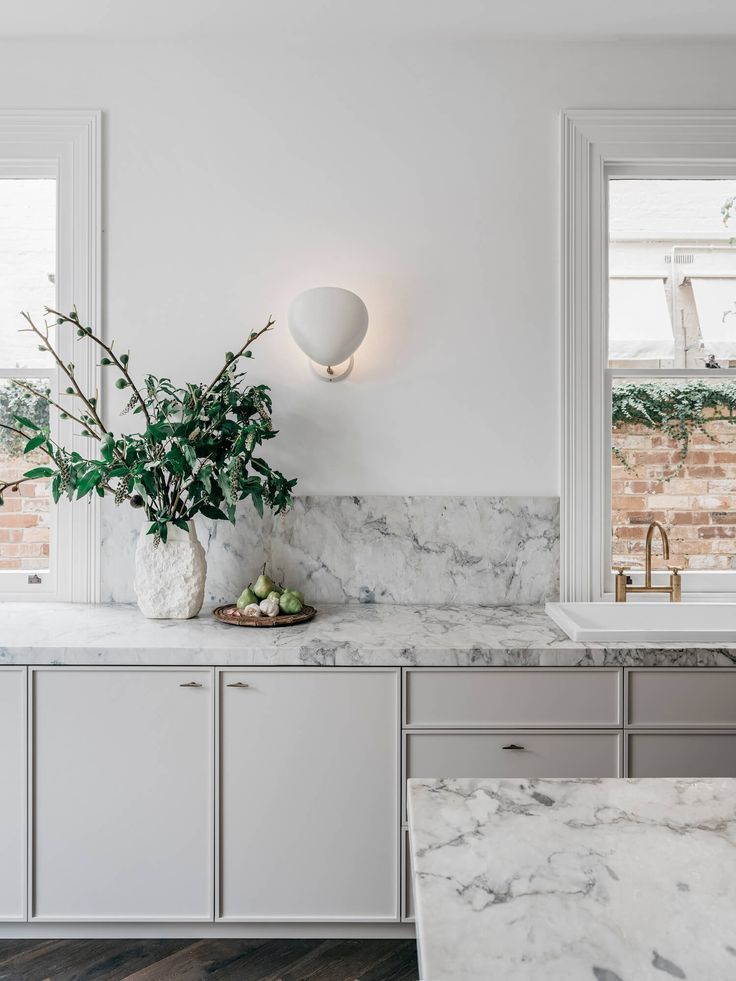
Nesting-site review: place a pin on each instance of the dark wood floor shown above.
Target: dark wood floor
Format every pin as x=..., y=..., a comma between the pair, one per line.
x=214, y=960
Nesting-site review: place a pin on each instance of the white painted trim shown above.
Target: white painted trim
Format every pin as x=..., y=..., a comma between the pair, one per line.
x=69, y=142
x=594, y=143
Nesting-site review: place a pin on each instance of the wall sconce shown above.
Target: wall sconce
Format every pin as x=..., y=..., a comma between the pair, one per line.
x=329, y=324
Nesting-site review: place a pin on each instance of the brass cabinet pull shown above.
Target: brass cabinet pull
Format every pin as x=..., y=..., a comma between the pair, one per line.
x=237, y=684
x=190, y=684
x=512, y=746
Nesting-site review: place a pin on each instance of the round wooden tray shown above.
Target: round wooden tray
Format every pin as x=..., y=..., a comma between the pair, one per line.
x=226, y=614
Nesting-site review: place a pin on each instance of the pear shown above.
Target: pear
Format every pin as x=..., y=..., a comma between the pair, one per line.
x=246, y=598
x=264, y=584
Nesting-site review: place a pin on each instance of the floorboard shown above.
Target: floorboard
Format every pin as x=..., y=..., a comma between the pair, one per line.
x=208, y=960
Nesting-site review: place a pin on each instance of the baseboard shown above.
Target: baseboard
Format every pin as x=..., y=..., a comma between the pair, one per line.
x=204, y=931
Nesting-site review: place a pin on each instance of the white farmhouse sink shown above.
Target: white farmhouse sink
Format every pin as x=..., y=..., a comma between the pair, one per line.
x=647, y=623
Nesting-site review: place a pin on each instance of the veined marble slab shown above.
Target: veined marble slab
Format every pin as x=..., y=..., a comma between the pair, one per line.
x=575, y=880
x=341, y=634
x=374, y=549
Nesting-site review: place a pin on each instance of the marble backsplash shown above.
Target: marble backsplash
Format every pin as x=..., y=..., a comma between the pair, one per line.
x=424, y=550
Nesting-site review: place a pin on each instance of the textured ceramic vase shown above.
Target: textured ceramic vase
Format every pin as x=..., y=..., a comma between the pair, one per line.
x=169, y=579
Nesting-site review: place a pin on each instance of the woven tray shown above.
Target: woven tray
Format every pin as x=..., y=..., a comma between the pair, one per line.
x=226, y=614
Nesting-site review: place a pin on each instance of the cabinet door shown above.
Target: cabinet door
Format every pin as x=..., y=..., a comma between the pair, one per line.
x=308, y=792
x=682, y=754
x=122, y=784
x=12, y=793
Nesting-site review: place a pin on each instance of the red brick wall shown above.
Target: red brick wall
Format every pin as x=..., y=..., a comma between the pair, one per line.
x=24, y=527
x=697, y=506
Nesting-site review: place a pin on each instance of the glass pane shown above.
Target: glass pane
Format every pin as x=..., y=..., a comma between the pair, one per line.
x=24, y=518
x=672, y=274
x=674, y=461
x=27, y=265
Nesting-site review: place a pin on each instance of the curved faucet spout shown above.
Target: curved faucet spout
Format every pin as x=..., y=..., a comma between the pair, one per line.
x=654, y=526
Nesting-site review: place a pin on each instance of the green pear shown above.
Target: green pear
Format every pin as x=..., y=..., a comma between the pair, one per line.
x=264, y=584
x=290, y=602
x=246, y=598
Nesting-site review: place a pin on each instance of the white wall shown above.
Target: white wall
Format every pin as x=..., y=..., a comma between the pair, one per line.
x=424, y=178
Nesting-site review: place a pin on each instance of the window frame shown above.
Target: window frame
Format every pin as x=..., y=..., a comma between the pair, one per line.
x=597, y=145
x=65, y=144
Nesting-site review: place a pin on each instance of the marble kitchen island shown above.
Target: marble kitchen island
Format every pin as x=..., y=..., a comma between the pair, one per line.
x=574, y=880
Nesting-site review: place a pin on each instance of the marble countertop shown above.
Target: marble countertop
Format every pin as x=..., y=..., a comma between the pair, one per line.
x=345, y=634
x=575, y=880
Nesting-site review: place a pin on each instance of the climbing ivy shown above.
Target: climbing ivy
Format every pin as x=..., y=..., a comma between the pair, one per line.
x=678, y=410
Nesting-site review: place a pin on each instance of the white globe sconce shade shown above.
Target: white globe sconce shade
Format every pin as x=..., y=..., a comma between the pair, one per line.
x=329, y=324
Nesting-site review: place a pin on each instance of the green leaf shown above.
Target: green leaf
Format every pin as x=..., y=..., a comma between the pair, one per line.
x=39, y=472
x=190, y=454
x=90, y=480
x=56, y=488
x=209, y=511
x=26, y=423
x=181, y=523
x=34, y=443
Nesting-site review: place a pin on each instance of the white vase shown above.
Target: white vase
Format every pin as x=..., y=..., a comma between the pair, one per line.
x=169, y=579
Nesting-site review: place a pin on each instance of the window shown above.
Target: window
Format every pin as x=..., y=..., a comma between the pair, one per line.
x=27, y=281
x=49, y=256
x=672, y=372
x=648, y=310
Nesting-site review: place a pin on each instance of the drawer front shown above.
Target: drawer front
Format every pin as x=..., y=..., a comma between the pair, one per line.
x=701, y=697
x=682, y=754
x=500, y=697
x=511, y=754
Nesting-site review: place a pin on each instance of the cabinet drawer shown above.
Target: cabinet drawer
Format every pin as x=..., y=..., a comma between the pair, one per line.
x=526, y=697
x=682, y=754
x=699, y=697
x=512, y=754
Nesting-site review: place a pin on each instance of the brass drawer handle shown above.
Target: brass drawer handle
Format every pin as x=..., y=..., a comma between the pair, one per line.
x=512, y=746
x=237, y=684
x=190, y=684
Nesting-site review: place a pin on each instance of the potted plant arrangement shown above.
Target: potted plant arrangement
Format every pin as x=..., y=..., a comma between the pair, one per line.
x=197, y=453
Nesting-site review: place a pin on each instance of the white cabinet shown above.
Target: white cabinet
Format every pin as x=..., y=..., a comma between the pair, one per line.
x=122, y=785
x=308, y=794
x=12, y=793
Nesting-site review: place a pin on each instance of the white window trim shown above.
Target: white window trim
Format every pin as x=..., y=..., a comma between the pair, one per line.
x=595, y=145
x=68, y=142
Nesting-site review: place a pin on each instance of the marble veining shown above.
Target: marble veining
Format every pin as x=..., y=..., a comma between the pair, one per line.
x=574, y=880
x=373, y=549
x=341, y=634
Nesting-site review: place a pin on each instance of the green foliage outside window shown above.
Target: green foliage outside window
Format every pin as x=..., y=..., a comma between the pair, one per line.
x=678, y=410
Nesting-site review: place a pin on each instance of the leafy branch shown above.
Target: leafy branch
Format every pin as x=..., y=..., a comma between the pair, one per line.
x=195, y=454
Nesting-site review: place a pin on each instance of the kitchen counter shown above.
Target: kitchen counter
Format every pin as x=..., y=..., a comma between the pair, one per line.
x=346, y=634
x=574, y=880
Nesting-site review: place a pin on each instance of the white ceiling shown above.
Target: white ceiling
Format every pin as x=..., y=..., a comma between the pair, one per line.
x=280, y=20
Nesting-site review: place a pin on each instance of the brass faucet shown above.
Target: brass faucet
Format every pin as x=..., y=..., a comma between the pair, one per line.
x=623, y=580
